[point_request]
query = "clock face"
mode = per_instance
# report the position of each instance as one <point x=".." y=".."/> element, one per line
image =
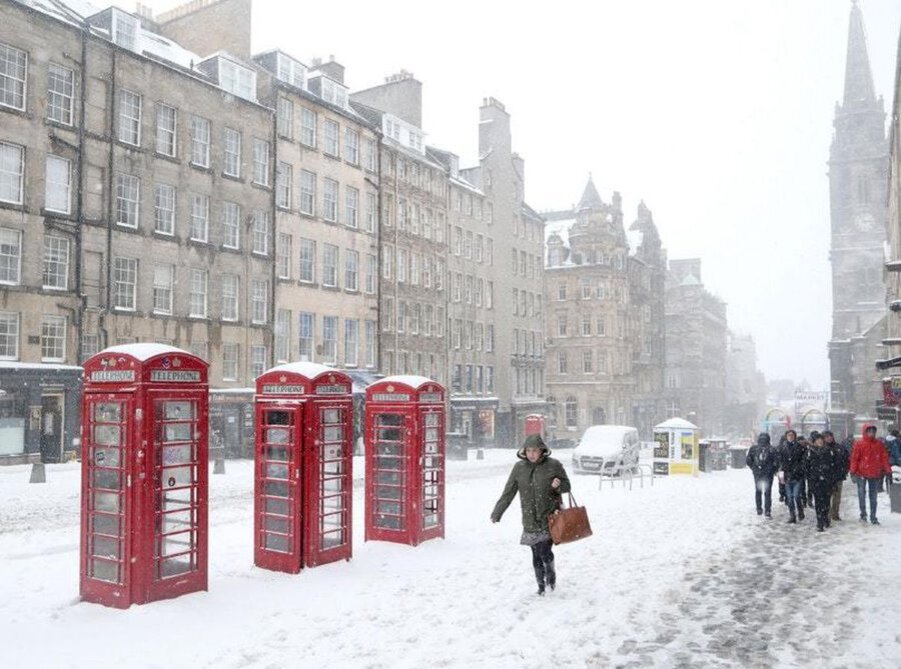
<point x="864" y="222"/>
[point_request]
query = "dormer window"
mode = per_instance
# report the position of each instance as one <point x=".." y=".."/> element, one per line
<point x="237" y="79"/>
<point x="124" y="30"/>
<point x="334" y="92"/>
<point x="290" y="71"/>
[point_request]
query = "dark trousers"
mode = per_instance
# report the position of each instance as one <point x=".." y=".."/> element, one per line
<point x="763" y="487"/>
<point x="821" y="498"/>
<point x="543" y="562"/>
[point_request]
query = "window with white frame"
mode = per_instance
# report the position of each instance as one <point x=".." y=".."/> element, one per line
<point x="166" y="121"/>
<point x="129" y="117"/>
<point x="414" y="268"/>
<point x="602" y="326"/>
<point x="387" y="261"/>
<point x="561" y="362"/>
<point x="257" y="360"/>
<point x="403" y="264"/>
<point x="330" y="339"/>
<point x="369" y="351"/>
<point x="12" y="173"/>
<point x="351" y="341"/>
<point x="290" y="71"/>
<point x="53" y="339"/>
<point x="10" y="256"/>
<point x="128" y="200"/>
<point x="283" y="256"/>
<point x="164" y="209"/>
<point x="371" y="270"/>
<point x="200" y="218"/>
<point x="197" y="298"/>
<point x="370" y="154"/>
<point x="333" y="92"/>
<point x="55" y="268"/>
<point x="231" y="297"/>
<point x="237" y="79"/>
<point x="306" y="327"/>
<point x="308" y="127"/>
<point x="58" y="185"/>
<point x="371" y="208"/>
<point x="307" y="268"/>
<point x="200" y="141"/>
<point x="163" y="286"/>
<point x="230" y="355"/>
<point x="60" y="93"/>
<point x="285" y="118"/>
<point x="587" y="361"/>
<point x="259" y="306"/>
<point x="261" y="151"/>
<point x="351" y="270"/>
<point x="261" y="228"/>
<point x="283" y="180"/>
<point x="9" y="335"/>
<point x="282" y="335"/>
<point x="125" y="283"/>
<point x="352" y="146"/>
<point x="330" y="200"/>
<point x="329" y="265"/>
<point x="388" y="315"/>
<point x="231" y="144"/>
<point x="330" y="132"/>
<point x="231" y="225"/>
<point x="307" y="204"/>
<point x="13" y="67"/>
<point x="351" y="206"/>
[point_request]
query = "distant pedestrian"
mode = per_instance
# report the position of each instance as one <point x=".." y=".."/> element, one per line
<point x="842" y="462"/>
<point x="763" y="460"/>
<point x="791" y="459"/>
<point x="820" y="468"/>
<point x="540" y="480"/>
<point x="894" y="456"/>
<point x="806" y="494"/>
<point x="869" y="463"/>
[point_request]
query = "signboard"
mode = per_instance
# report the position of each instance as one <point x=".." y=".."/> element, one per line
<point x="891" y="390"/>
<point x="391" y="397"/>
<point x="430" y="397"/>
<point x="277" y="389"/>
<point x="661" y="448"/>
<point x="661" y="468"/>
<point x="175" y="376"/>
<point x="113" y="375"/>
<point x="334" y="389"/>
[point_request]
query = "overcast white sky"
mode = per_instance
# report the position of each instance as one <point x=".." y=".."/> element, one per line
<point x="717" y="114"/>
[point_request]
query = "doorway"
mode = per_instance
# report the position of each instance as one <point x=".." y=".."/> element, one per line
<point x="51" y="428"/>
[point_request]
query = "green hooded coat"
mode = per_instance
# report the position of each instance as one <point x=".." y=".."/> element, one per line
<point x="533" y="482"/>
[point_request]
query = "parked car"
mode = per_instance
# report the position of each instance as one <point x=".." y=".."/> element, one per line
<point x="605" y="448"/>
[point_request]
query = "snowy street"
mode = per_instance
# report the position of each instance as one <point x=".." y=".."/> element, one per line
<point x="679" y="574"/>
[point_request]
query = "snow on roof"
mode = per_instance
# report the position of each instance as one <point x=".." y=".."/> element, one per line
<point x="79" y="7"/>
<point x="408" y="379"/>
<point x="144" y="351"/>
<point x="166" y="49"/>
<point x="676" y="424"/>
<point x="308" y="369"/>
<point x="37" y="365"/>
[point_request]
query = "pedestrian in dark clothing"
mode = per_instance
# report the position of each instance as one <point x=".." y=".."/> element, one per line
<point x="806" y="494"/>
<point x="763" y="460"/>
<point x="869" y="463"/>
<point x="539" y="479"/>
<point x="842" y="462"/>
<point x="820" y="468"/>
<point x="792" y="463"/>
<point x="780" y="479"/>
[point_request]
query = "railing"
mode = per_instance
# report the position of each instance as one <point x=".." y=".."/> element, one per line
<point x="626" y="474"/>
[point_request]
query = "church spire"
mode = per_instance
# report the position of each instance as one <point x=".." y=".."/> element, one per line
<point x="859" y="88"/>
<point x="590" y="198"/>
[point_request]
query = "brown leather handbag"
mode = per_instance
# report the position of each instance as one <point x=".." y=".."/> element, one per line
<point x="569" y="524"/>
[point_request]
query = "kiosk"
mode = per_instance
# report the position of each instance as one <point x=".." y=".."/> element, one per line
<point x="676" y="447"/>
<point x="303" y="458"/>
<point x="405" y="450"/>
<point x="534" y="424"/>
<point x="144" y="475"/>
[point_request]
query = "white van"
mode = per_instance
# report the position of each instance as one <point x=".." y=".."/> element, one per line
<point x="605" y="447"/>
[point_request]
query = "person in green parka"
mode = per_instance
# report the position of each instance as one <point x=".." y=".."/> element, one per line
<point x="540" y="480"/>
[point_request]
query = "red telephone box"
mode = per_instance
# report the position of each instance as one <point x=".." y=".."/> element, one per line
<point x="303" y="486"/>
<point x="143" y="475"/>
<point x="534" y="424"/>
<point x="405" y="419"/>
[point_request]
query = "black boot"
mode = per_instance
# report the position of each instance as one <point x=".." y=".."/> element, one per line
<point x="792" y="519"/>
<point x="551" y="575"/>
<point x="539" y="577"/>
<point x="800" y="513"/>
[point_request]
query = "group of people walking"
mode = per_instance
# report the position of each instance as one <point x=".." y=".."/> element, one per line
<point x="811" y="472"/>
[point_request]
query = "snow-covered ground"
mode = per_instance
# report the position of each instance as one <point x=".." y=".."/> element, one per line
<point x="681" y="574"/>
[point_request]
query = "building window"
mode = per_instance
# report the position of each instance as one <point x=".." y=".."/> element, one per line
<point x="164" y="210"/>
<point x="10" y="256"/>
<point x="60" y="93"/>
<point x="330" y="144"/>
<point x="128" y="200"/>
<point x="586" y="325"/>
<point x="261" y="232"/>
<point x="370" y="153"/>
<point x="285" y="118"/>
<point x="369" y="355"/>
<point x="260" y="301"/>
<point x="351" y="270"/>
<point x="351" y="206"/>
<point x="602" y="362"/>
<point x="129" y="117"/>
<point x="197" y="304"/>
<point x="200" y="141"/>
<point x="257" y="360"/>
<point x="283" y="180"/>
<point x="56" y="263"/>
<point x="402" y="264"/>
<point x="307" y="269"/>
<point x="307" y="127"/>
<point x="352" y="146"/>
<point x="231" y="225"/>
<point x="561" y="325"/>
<point x="53" y="339"/>
<point x="370" y="212"/>
<point x="283" y="256"/>
<point x="163" y="282"/>
<point x="13" y="66"/>
<point x="602" y="326"/>
<point x="230" y="355"/>
<point x="387" y="261"/>
<point x="12" y="173"/>
<point x="570" y="409"/>
<point x="231" y="297"/>
<point x="330" y="200"/>
<point x="561" y="362"/>
<point x="388" y="315"/>
<point x="237" y="79"/>
<point x="231" y="140"/>
<point x="58" y="185"/>
<point x="166" y="121"/>
<point x="261" y="162"/>
<point x="125" y="283"/>
<point x="200" y="218"/>
<point x="329" y="265"/>
<point x="371" y="270"/>
<point x="587" y="362"/>
<point x="305" y="330"/>
<point x="9" y="335"/>
<point x="307" y="193"/>
<point x="330" y="339"/>
<point x="282" y="335"/>
<point x="351" y="341"/>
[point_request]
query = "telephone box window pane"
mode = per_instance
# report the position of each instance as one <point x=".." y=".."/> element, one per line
<point x="334" y="433"/>
<point x="175" y="500"/>
<point x="276" y="506"/>
<point x="332" y="540"/>
<point x="278" y="435"/>
<point x="178" y="410"/>
<point x="105" y="571"/>
<point x="275" y="542"/>
<point x="276" y="471"/>
<point x="331" y="416"/>
<point x="431" y="434"/>
<point x="332" y="486"/>
<point x="388" y="522"/>
<point x="395" y="450"/>
<point x="430" y="521"/>
<point x="332" y="504"/>
<point x="104" y="524"/>
<point x="277" y="453"/>
<point x="178" y="455"/>
<point x="177" y="432"/>
<point x="276" y="489"/>
<point x="431" y="447"/>
<point x="278" y="418"/>
<point x="107" y="547"/>
<point x="391" y="463"/>
<point x="176" y="477"/>
<point x="432" y="462"/>
<point x="111" y="479"/>
<point x="107" y="501"/>
<point x="106" y="457"/>
<point x="385" y="419"/>
<point x="107" y="435"/>
<point x="175" y="567"/>
<point x="388" y="477"/>
<point x="390" y="434"/>
<point x="333" y="468"/>
<point x="176" y="521"/>
<point x="431" y="420"/>
<point x="385" y="506"/>
<point x="175" y="544"/>
<point x="331" y="452"/>
<point x="278" y="524"/>
<point x="388" y="492"/>
<point x="108" y="412"/>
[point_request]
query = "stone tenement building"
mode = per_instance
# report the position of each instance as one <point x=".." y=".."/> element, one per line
<point x="745" y="388"/>
<point x="858" y="175"/>
<point x="604" y="297"/>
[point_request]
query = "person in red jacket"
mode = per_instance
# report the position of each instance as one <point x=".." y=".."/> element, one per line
<point x="869" y="463"/>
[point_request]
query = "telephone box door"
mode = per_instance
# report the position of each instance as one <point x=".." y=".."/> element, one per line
<point x="106" y="574"/>
<point x="277" y="502"/>
<point x="431" y="507"/>
<point x="391" y="468"/>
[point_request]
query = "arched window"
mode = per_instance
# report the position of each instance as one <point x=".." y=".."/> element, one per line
<point x="571" y="409"/>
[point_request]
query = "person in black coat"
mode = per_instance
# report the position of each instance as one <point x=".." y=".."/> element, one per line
<point x="842" y="464"/>
<point x="821" y="470"/>
<point x="763" y="460"/>
<point x="791" y="458"/>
